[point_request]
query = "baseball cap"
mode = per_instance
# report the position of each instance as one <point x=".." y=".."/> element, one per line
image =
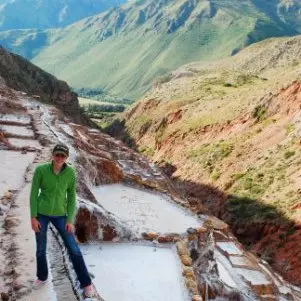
<point x="61" y="148"/>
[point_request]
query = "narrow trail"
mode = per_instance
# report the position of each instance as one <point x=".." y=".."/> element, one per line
<point x="19" y="256"/>
<point x="139" y="239"/>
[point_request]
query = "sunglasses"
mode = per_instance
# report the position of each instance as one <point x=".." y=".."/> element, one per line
<point x="60" y="156"/>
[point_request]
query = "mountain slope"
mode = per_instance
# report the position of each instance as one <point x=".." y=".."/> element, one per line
<point x="234" y="125"/>
<point x="125" y="49"/>
<point x="20" y="74"/>
<point x="48" y="14"/>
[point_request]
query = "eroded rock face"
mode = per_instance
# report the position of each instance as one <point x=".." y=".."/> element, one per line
<point x="281" y="247"/>
<point x="86" y="226"/>
<point x="108" y="172"/>
<point x="99" y="170"/>
<point x="93" y="223"/>
<point x="90" y="226"/>
<point x="20" y="74"/>
<point x="174" y="117"/>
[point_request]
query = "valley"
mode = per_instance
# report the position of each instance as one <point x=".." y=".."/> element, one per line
<point x="137" y="44"/>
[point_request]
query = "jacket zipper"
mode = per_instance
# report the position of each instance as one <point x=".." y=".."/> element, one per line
<point x="56" y="183"/>
<point x="57" y="177"/>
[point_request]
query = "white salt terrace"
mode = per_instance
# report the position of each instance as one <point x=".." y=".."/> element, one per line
<point x="143" y="211"/>
<point x="17" y="130"/>
<point x="230" y="248"/>
<point x="24" y="119"/>
<point x="135" y="272"/>
<point x="18" y="142"/>
<point x="240" y="261"/>
<point x="225" y="275"/>
<point x="233" y="276"/>
<point x="13" y="167"/>
<point x="254" y="277"/>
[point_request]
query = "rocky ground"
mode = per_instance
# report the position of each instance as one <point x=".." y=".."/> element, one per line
<point x="212" y="264"/>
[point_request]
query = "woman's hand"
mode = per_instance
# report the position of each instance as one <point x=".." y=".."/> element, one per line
<point x="35" y="224"/>
<point x="69" y="228"/>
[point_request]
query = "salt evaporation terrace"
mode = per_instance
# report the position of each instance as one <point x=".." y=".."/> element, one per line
<point x="18" y="142"/>
<point x="143" y="211"/>
<point x="13" y="118"/>
<point x="17" y="130"/>
<point x="136" y="272"/>
<point x="13" y="166"/>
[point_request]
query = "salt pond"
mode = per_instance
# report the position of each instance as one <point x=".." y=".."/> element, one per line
<point x="24" y="142"/>
<point x="17" y="130"/>
<point x="142" y="210"/>
<point x="230" y="248"/>
<point x="135" y="272"/>
<point x="225" y="275"/>
<point x="13" y="167"/>
<point x="22" y="119"/>
<point x="254" y="277"/>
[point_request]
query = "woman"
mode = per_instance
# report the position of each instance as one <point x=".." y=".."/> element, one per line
<point x="52" y="199"/>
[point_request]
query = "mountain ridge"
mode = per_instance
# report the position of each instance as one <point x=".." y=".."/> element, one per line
<point x="133" y="44"/>
<point x="49" y="14"/>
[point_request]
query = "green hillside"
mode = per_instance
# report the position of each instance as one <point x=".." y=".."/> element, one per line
<point x="123" y="50"/>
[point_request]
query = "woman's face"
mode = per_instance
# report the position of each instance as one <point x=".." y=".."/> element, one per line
<point x="59" y="159"/>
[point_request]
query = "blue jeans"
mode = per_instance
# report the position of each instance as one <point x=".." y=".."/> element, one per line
<point x="76" y="256"/>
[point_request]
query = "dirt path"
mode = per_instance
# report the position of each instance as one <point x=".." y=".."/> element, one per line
<point x="18" y="238"/>
<point x="25" y="244"/>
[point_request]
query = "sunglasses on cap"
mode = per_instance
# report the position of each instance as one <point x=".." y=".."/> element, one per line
<point x="60" y="155"/>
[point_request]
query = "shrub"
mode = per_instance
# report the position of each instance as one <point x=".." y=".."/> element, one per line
<point x="228" y="85"/>
<point x="216" y="175"/>
<point x="247" y="208"/>
<point x="148" y="151"/>
<point x="237" y="176"/>
<point x="290" y="128"/>
<point x="244" y="79"/>
<point x="289" y="154"/>
<point x="209" y="155"/>
<point x="259" y="112"/>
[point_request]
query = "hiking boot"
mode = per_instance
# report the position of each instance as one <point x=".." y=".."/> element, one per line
<point x="38" y="284"/>
<point x="89" y="291"/>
